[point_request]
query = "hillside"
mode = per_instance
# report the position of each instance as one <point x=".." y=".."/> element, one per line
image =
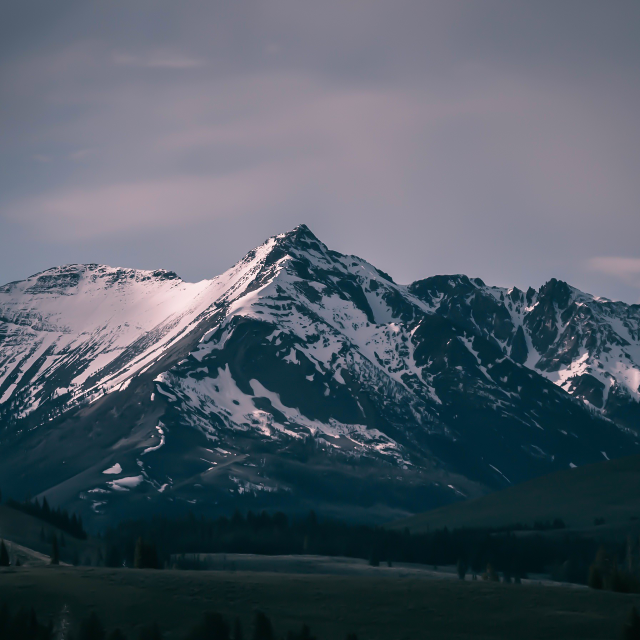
<point x="24" y="536"/>
<point x="609" y="490"/>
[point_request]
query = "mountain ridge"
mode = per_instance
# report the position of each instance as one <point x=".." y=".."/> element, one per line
<point x="302" y="372"/>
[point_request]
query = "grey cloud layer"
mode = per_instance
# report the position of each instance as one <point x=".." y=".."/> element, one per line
<point x="499" y="139"/>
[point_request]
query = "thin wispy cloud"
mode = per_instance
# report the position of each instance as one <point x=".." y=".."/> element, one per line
<point x="110" y="211"/>
<point x="157" y="60"/>
<point x="625" y="269"/>
<point x="427" y="137"/>
<point x="81" y="154"/>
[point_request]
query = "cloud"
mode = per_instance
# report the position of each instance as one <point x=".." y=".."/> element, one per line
<point x="625" y="269"/>
<point x="81" y="154"/>
<point x="157" y="60"/>
<point x="425" y="138"/>
<point x="281" y="134"/>
<point x="183" y="149"/>
<point x="109" y="211"/>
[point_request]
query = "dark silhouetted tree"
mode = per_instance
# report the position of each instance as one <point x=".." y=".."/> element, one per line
<point x="595" y="580"/>
<point x="146" y="555"/>
<point x="150" y="632"/>
<point x="55" y="551"/>
<point x="4" y="555"/>
<point x="262" y="628"/>
<point x="112" y="557"/>
<point x="91" y="628"/>
<point x="303" y="634"/>
<point x="237" y="630"/>
<point x="461" y="568"/>
<point x="213" y="626"/>
<point x="631" y="630"/>
<point x="57" y="517"/>
<point x="5" y="619"/>
<point x="21" y="625"/>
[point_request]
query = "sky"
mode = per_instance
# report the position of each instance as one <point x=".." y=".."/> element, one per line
<point x="500" y="139"/>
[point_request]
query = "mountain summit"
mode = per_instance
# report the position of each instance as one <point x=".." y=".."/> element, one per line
<point x="303" y="377"/>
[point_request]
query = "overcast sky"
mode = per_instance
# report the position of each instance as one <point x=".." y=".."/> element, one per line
<point x="500" y="139"/>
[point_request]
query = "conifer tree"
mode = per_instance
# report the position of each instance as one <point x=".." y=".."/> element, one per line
<point x="146" y="555"/>
<point x="138" y="554"/>
<point x="4" y="555"/>
<point x="262" y="629"/>
<point x="20" y="625"/>
<point x="303" y="634"/>
<point x="631" y="630"/>
<point x="213" y="626"/>
<point x="5" y="619"/>
<point x="55" y="551"/>
<point x="237" y="630"/>
<point x="150" y="632"/>
<point x="91" y="628"/>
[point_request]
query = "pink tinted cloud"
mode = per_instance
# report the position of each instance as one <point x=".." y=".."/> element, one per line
<point x="106" y="211"/>
<point x="626" y="269"/>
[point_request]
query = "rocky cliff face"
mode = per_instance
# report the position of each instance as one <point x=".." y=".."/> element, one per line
<point x="588" y="346"/>
<point x="302" y="377"/>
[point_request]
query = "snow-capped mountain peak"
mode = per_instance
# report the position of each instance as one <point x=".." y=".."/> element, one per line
<point x="444" y="388"/>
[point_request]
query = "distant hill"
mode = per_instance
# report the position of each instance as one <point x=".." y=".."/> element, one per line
<point x="609" y="490"/>
<point x="24" y="536"/>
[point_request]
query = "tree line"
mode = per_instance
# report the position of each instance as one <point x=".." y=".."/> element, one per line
<point x="152" y="543"/>
<point x="60" y="518"/>
<point x="24" y="625"/>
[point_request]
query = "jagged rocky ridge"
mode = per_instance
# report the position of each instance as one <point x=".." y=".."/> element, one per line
<point x="303" y="377"/>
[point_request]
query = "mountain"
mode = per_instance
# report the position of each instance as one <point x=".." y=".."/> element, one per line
<point x="303" y="378"/>
<point x="588" y="346"/>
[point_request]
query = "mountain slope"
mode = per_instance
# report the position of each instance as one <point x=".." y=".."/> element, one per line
<point x="588" y="346"/>
<point x="606" y="490"/>
<point x="91" y="328"/>
<point x="301" y="377"/>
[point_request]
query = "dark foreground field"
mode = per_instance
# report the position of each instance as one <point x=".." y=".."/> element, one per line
<point x="373" y="607"/>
